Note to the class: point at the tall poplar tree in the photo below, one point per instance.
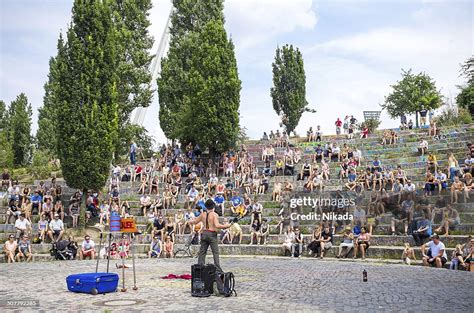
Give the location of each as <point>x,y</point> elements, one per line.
<point>6,152</point>
<point>289,87</point>
<point>19,128</point>
<point>3,115</point>
<point>46,133</point>
<point>131,20</point>
<point>86,96</point>
<point>211,114</point>
<point>189,16</point>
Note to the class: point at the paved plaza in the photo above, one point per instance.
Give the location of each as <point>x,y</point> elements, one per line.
<point>263,284</point>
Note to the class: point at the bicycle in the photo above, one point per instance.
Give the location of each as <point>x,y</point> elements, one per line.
<point>186,251</point>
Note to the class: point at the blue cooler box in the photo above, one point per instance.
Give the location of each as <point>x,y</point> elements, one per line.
<point>93,283</point>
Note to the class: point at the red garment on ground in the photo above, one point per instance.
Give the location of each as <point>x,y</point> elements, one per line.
<point>174,276</point>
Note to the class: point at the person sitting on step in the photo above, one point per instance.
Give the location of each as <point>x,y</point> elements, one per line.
<point>262,236</point>
<point>325,240</point>
<point>408,254</point>
<point>347,243</point>
<point>434,252</point>
<point>362,243</point>
<point>289,240</point>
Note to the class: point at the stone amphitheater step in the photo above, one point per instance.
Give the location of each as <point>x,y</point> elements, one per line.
<point>383,252</point>
<point>375,143</point>
<point>376,240</point>
<point>385,152</point>
<point>369,148</point>
<point>308,226</point>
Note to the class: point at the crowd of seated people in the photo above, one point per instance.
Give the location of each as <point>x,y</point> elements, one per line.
<point>233,180</point>
<point>277,138</point>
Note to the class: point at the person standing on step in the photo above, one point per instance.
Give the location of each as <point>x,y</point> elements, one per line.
<point>210,220</point>
<point>133,152</point>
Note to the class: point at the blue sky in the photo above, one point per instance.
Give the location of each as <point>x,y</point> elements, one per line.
<point>353,51</point>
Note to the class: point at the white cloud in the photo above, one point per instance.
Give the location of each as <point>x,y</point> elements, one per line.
<point>353,73</point>
<point>253,22</point>
<point>25,16</point>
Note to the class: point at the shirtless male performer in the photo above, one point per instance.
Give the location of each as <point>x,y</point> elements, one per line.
<point>210,220</point>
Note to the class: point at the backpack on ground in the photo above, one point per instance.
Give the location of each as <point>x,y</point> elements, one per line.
<point>224,284</point>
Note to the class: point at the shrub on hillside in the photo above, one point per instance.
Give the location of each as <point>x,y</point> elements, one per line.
<point>452,116</point>
<point>372,124</point>
<point>40,167</point>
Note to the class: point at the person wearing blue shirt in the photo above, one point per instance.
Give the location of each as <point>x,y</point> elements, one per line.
<point>319,152</point>
<point>133,153</point>
<point>376,165</point>
<point>201,204</point>
<point>177,151</point>
<point>352,180</point>
<point>423,231</point>
<point>36,201</point>
<point>197,212</point>
<point>236,200</point>
<point>219,200</point>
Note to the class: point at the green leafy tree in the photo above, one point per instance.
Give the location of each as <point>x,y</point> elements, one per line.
<point>211,104</point>
<point>412,94</point>
<point>188,16</point>
<point>19,129</point>
<point>6,151</point>
<point>3,115</point>
<point>86,96</point>
<point>131,20</point>
<point>452,116</point>
<point>289,86</point>
<point>465,98</point>
<point>46,133</point>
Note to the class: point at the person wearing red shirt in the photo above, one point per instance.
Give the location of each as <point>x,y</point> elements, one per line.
<point>365,133</point>
<point>176,171</point>
<point>338,126</point>
<point>138,172</point>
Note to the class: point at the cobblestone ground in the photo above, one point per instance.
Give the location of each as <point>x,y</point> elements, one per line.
<point>263,284</point>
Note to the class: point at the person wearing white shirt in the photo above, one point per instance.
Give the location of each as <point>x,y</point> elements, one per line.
<point>145,203</point>
<point>423,147</point>
<point>56,228</point>
<point>436,254</point>
<point>22,226</point>
<point>192,196</point>
<point>336,150</point>
<point>289,239</point>
<point>116,171</point>
<point>357,154</point>
<point>442,180</point>
<point>318,133</point>
<point>409,189</point>
<point>271,153</point>
<point>87,248</point>
<point>264,153</point>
